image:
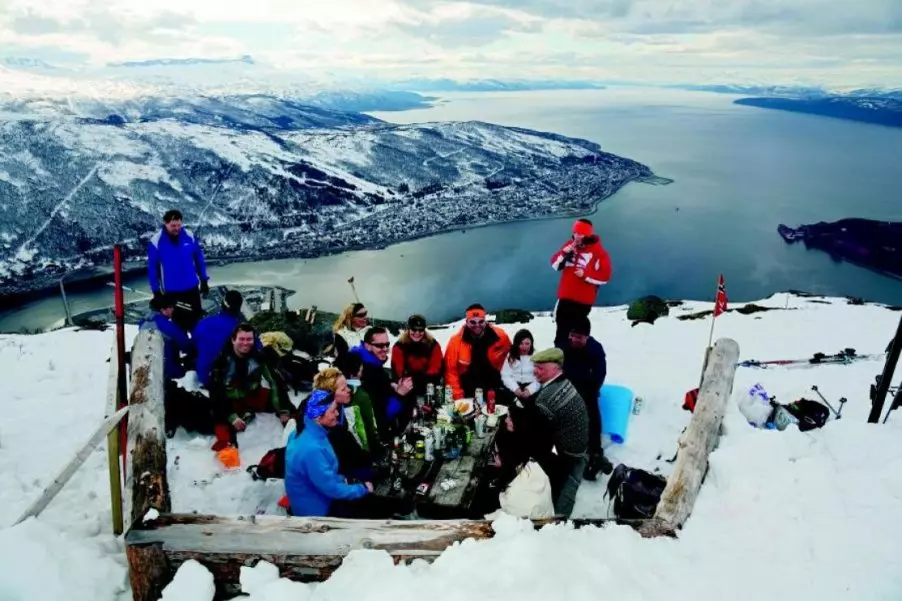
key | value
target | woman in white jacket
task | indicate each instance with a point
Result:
(517, 373)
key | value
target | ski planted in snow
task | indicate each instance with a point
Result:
(845, 356)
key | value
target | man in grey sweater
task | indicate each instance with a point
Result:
(559, 419)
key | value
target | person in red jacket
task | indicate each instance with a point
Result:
(585, 265)
(417, 355)
(475, 355)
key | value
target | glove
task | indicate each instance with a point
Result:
(393, 408)
(204, 288)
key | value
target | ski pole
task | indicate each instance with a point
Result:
(842, 401)
(141, 292)
(826, 402)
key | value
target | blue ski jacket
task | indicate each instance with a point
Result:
(174, 266)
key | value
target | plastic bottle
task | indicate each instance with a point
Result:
(637, 405)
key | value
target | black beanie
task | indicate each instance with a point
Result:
(232, 302)
(581, 325)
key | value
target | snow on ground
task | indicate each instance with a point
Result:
(782, 515)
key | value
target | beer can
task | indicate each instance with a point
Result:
(490, 402)
(479, 422)
(478, 398)
(420, 451)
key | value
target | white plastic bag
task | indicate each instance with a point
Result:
(755, 406)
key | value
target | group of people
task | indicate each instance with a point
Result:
(365, 398)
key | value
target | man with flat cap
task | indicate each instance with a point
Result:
(557, 419)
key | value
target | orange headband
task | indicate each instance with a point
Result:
(473, 313)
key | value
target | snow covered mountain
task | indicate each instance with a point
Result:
(260, 176)
(881, 110)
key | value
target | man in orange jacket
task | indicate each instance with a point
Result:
(475, 355)
(585, 265)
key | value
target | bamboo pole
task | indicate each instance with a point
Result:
(41, 503)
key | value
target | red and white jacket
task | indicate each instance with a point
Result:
(595, 263)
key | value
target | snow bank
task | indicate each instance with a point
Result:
(782, 515)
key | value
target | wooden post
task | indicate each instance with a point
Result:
(700, 437)
(112, 444)
(146, 483)
(304, 549)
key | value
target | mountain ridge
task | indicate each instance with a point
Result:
(264, 177)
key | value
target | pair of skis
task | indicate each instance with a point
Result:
(843, 357)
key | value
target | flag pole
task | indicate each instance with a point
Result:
(710, 335)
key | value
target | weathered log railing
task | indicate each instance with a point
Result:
(146, 483)
(698, 440)
(311, 549)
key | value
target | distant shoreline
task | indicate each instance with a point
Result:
(95, 276)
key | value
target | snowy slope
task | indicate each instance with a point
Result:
(782, 516)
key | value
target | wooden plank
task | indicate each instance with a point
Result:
(146, 482)
(700, 437)
(304, 549)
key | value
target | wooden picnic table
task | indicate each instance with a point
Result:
(466, 472)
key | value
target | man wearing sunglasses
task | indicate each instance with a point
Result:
(584, 265)
(475, 355)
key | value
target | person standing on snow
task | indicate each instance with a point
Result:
(176, 266)
(585, 365)
(585, 265)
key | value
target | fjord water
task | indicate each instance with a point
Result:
(738, 172)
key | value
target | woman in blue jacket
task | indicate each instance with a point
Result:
(312, 480)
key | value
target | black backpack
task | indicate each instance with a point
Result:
(810, 414)
(635, 492)
(272, 465)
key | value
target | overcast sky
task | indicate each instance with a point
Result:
(834, 42)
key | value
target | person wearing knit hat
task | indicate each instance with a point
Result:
(312, 480)
(585, 365)
(584, 265)
(417, 355)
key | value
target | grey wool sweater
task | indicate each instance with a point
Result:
(561, 406)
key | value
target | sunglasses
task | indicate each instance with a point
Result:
(381, 344)
(418, 330)
(476, 322)
(360, 315)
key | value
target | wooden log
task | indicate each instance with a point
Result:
(304, 549)
(148, 571)
(697, 441)
(146, 483)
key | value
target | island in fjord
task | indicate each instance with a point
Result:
(876, 245)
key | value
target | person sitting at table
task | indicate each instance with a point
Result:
(392, 404)
(353, 460)
(312, 480)
(475, 355)
(241, 385)
(518, 375)
(555, 425)
(418, 355)
(351, 366)
(350, 328)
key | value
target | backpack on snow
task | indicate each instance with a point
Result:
(635, 492)
(272, 465)
(810, 414)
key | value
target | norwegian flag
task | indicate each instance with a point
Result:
(720, 301)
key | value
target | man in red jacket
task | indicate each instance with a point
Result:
(586, 266)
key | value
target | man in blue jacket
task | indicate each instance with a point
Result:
(175, 342)
(176, 266)
(213, 331)
(312, 480)
(585, 365)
